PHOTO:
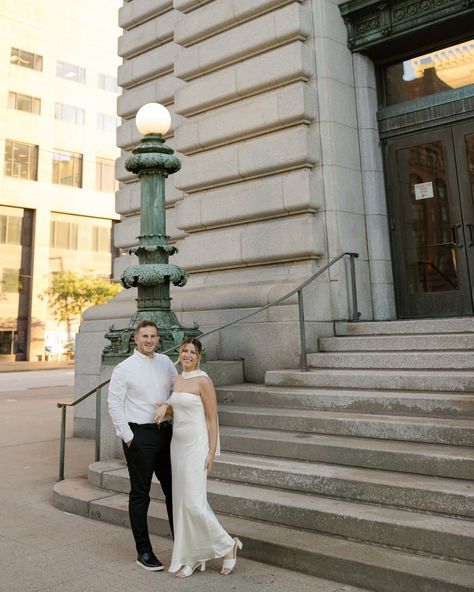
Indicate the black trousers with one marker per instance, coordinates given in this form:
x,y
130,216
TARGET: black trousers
x,y
149,453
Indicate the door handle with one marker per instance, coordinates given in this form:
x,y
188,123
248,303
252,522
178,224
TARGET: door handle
x,y
455,230
471,234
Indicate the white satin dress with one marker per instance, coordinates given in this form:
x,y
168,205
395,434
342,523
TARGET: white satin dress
x,y
198,536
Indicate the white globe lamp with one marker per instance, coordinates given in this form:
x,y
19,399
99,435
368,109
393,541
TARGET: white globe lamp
x,y
153,118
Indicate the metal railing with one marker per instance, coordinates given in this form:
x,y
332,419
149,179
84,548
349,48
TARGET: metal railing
x,y
303,353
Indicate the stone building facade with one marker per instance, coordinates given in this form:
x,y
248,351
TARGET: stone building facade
x,y
281,120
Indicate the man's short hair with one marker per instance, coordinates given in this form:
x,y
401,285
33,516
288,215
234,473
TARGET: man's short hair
x,y
145,323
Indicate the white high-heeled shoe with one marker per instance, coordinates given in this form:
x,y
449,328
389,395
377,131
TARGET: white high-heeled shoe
x,y
188,570
229,564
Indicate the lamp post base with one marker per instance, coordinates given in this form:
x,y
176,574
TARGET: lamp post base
x,y
170,331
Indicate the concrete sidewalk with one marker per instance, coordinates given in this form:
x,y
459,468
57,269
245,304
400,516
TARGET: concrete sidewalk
x,y
28,366
44,549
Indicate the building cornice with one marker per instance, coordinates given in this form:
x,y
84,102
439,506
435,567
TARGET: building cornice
x,y
372,23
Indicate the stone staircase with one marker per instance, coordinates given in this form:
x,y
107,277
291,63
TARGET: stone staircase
x,y
360,470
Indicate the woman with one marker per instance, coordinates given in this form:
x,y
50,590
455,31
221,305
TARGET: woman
x,y
198,536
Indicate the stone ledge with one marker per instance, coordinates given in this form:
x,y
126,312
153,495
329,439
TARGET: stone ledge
x,y
189,5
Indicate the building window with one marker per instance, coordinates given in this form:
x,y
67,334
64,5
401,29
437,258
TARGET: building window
x,y
106,82
71,72
24,103
10,281
428,74
69,113
7,342
26,59
21,160
10,230
101,240
107,123
105,175
67,168
63,235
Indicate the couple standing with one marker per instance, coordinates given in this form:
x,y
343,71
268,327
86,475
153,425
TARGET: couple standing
x,y
181,456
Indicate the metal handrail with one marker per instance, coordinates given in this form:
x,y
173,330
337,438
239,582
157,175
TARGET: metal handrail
x,y
303,353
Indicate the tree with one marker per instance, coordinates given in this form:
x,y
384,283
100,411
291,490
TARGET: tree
x,y
69,294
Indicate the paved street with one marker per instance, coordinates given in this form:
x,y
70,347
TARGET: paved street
x,y
45,550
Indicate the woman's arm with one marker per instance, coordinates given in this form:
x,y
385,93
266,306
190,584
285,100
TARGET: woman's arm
x,y
162,411
209,400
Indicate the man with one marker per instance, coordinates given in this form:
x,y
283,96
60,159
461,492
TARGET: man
x,y
138,385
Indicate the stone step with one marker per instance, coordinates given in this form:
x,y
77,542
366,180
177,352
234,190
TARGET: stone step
x,y
398,380
357,401
376,567
457,432
389,455
415,327
391,343
421,532
418,492
405,360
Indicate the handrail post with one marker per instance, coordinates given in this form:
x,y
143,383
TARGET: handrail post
x,y
62,442
355,311
303,358
98,413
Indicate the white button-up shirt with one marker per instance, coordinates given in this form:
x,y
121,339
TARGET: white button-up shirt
x,y
137,386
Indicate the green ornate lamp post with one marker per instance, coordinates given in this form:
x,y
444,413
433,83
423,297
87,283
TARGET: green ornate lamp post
x,y
152,161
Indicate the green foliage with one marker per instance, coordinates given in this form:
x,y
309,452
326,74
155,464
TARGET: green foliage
x,y
69,293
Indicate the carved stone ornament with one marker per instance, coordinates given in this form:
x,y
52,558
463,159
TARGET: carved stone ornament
x,y
371,23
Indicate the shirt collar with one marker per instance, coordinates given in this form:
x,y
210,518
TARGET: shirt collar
x,y
143,356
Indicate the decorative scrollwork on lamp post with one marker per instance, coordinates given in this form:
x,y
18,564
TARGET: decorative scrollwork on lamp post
x,y
152,161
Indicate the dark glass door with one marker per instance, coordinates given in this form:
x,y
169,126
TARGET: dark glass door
x,y
430,186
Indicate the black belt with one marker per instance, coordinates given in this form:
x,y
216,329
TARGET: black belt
x,y
151,426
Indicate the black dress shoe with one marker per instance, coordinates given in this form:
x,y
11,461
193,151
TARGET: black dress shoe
x,y
149,561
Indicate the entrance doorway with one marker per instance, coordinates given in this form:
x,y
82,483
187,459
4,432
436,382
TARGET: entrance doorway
x,y
431,199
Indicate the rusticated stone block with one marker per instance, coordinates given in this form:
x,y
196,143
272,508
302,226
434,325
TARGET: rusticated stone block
x,y
291,238
147,35
288,24
277,67
133,13
153,63
218,16
156,91
211,249
273,110
209,168
279,151
250,200
298,237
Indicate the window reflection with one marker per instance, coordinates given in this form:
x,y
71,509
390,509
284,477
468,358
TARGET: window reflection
x,y
431,73
429,249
